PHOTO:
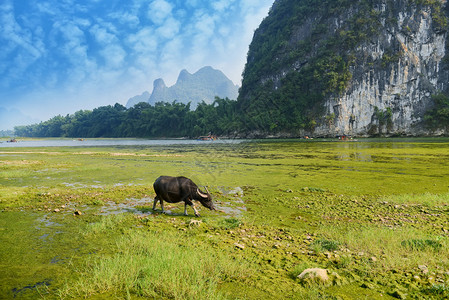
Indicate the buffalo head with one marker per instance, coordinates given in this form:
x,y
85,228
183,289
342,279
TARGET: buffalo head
x,y
206,199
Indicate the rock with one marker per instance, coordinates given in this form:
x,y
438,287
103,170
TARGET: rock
x,y
56,210
373,258
314,275
195,222
77,213
423,269
239,246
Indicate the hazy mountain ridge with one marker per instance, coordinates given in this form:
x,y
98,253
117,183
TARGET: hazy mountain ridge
x,y
203,85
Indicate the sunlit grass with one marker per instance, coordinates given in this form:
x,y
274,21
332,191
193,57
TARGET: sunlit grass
x,y
370,212
398,248
156,265
426,199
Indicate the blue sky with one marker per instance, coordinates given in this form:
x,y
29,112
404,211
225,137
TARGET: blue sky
x,y
60,56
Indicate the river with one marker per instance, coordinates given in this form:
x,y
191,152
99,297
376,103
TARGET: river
x,y
106,142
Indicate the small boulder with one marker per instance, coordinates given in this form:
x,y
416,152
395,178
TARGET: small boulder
x,y
314,275
77,213
423,269
239,246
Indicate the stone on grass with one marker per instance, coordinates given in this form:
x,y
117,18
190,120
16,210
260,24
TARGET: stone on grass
x,y
239,246
314,275
195,222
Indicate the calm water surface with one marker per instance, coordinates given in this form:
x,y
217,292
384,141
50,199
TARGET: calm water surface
x,y
106,142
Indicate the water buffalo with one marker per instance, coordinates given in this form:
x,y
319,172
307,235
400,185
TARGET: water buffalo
x,y
177,189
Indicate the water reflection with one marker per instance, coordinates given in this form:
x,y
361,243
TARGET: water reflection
x,y
109,142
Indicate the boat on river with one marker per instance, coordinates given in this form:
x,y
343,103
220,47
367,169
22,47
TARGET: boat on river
x,y
207,138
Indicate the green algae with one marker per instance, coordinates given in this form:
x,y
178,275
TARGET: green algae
x,y
373,211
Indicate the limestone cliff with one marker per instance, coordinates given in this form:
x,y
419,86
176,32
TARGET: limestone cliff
x,y
391,58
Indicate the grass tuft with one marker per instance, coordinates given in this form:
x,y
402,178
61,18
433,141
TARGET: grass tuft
x,y
155,265
422,245
230,223
322,245
440,290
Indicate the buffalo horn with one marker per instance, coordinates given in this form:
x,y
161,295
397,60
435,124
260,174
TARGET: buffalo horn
x,y
201,194
207,190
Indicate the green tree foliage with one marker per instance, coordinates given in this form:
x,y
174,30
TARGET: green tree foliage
x,y
142,120
438,117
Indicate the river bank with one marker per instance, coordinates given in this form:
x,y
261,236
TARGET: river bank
x,y
77,221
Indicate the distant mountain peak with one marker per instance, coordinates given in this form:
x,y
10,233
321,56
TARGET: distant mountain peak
x,y
184,75
203,85
159,84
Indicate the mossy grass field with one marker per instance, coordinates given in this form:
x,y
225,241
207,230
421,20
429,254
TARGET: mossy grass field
x,y
77,222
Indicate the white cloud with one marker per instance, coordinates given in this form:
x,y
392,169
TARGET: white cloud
x,y
126,18
159,10
102,35
204,24
74,46
169,29
95,54
170,57
144,41
19,46
47,8
114,56
222,5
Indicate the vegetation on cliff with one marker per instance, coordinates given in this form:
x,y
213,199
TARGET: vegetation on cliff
x,y
305,51
438,117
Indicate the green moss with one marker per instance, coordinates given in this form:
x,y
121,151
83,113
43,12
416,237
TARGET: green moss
x,y
353,208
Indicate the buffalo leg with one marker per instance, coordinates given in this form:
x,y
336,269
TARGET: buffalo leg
x,y
194,209
155,202
193,206
162,205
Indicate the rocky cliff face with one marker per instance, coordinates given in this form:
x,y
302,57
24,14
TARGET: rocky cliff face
x,y
393,71
391,96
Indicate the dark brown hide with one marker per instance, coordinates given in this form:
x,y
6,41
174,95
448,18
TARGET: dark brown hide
x,y
177,189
